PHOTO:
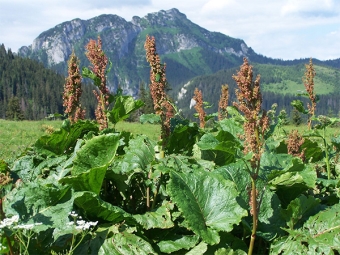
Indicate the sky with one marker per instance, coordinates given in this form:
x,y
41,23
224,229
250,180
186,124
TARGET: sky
x,y
283,29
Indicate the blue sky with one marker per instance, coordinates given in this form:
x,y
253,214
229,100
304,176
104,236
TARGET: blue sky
x,y
285,29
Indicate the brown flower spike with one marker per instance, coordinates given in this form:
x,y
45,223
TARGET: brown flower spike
x,y
249,102
198,97
309,85
294,143
99,62
73,91
157,86
223,103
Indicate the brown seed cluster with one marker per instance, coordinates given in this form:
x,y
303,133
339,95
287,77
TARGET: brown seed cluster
x,y
249,102
198,97
294,143
99,62
223,103
309,85
73,91
157,86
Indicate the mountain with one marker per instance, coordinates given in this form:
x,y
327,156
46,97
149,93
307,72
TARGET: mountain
x,y
188,49
194,57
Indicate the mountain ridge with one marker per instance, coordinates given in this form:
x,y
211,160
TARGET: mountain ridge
x,y
123,42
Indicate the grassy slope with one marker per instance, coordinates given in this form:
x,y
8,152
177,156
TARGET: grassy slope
x,y
326,79
15,136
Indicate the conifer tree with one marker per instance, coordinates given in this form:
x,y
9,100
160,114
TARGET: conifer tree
x,y
14,111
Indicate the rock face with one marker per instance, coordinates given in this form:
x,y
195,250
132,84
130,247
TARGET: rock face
x,y
188,50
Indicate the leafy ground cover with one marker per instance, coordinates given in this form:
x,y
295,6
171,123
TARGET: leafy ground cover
x,y
240,185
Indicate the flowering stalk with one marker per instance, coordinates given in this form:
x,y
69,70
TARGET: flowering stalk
x,y
198,98
255,125
99,62
309,85
73,91
294,143
161,102
223,103
158,83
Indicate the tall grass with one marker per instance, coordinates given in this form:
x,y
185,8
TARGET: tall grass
x,y
16,136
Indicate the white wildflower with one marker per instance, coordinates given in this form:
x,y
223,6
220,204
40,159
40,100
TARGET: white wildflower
x,y
73,214
28,226
9,221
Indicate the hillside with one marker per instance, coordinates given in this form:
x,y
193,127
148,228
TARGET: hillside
x,y
37,89
279,84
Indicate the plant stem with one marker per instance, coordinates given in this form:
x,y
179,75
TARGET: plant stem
x,y
254,209
148,193
326,154
161,155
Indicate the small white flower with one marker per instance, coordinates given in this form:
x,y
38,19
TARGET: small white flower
x,y
9,221
28,226
81,222
70,223
73,214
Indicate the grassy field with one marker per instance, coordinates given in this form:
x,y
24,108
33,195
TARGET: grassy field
x,y
16,136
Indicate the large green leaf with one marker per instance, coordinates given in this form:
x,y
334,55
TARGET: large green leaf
x,y
236,172
232,127
91,180
299,210
63,140
199,249
41,202
298,105
179,243
138,155
288,176
97,152
218,149
126,243
159,218
183,137
124,105
270,220
96,208
319,235
91,163
207,201
312,151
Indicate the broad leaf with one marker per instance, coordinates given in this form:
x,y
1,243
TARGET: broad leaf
x,y
40,202
183,137
159,218
126,243
207,201
91,163
63,140
179,243
299,210
200,249
218,149
319,235
97,152
298,105
124,105
95,208
91,180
